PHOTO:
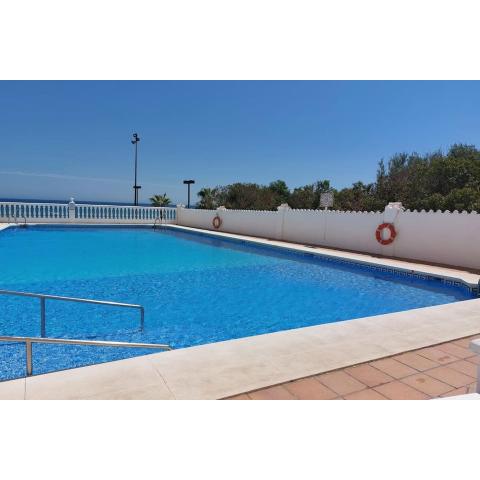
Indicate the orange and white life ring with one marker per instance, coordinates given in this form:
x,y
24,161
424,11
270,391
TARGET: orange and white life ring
x,y
216,222
390,239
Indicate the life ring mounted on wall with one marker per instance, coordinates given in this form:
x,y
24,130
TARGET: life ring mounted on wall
x,y
216,222
380,229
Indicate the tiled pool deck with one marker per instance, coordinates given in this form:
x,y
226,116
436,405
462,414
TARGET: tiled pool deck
x,y
443,370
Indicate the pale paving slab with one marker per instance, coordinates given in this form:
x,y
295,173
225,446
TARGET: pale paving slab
x,y
130,378
13,390
228,368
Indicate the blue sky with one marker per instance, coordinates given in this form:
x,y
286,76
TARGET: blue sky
x,y
62,139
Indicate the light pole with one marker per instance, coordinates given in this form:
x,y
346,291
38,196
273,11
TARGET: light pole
x,y
188,182
136,187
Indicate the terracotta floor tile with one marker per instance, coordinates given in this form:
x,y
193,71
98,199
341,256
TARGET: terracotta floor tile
x,y
455,350
450,376
465,367
393,367
340,382
400,391
427,384
309,389
445,370
415,361
439,356
368,394
368,375
475,359
454,393
272,393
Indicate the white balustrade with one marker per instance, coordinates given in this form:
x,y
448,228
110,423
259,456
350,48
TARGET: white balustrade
x,y
22,212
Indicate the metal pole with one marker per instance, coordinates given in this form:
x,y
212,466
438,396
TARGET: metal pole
x,y
42,317
142,319
136,187
188,183
135,196
28,349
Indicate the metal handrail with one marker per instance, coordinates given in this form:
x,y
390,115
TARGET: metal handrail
x,y
159,220
44,297
66,341
15,220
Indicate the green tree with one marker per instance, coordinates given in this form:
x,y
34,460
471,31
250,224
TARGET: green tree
x,y
208,199
435,202
280,191
359,197
458,169
160,200
248,196
308,197
462,199
303,197
431,181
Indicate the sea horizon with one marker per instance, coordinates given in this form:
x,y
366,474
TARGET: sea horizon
x,y
63,201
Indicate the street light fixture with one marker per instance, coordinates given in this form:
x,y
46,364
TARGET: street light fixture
x,y
188,182
136,187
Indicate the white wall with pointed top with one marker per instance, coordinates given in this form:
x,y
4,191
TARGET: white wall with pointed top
x,y
450,238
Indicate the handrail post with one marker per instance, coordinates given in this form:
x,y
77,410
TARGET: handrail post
x,y
29,341
28,348
42,317
142,318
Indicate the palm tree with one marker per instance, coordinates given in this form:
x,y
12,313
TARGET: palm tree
x,y
160,200
207,198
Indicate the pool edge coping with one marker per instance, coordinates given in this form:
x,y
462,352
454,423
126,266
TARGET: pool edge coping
x,y
223,369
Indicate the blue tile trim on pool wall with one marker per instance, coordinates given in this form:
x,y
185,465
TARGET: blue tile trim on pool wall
x,y
336,260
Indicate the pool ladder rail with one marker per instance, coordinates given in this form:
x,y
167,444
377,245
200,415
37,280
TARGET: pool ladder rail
x,y
155,224
22,225
43,339
43,297
67,341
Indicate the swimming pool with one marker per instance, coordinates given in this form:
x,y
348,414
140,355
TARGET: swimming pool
x,y
195,288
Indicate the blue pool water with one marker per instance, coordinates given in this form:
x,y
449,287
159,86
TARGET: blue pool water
x,y
195,288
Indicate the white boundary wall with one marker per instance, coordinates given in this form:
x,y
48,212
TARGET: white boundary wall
x,y
451,238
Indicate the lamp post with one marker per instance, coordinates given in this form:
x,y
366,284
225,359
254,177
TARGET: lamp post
x,y
136,187
188,182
